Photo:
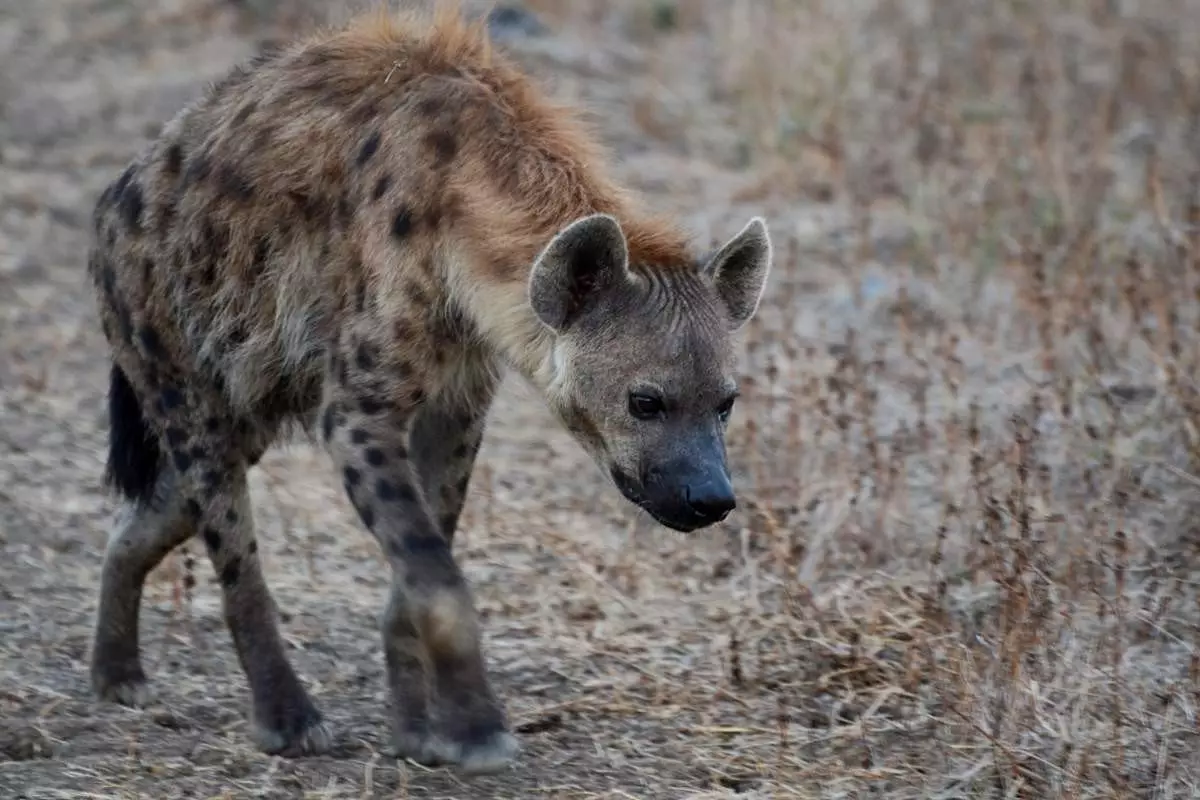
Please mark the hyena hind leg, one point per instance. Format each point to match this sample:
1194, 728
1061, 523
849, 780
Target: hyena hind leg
144, 533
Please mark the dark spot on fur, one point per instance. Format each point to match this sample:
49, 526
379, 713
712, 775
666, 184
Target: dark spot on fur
369, 146
460, 451
243, 113
110, 237
402, 223
212, 244
345, 209
359, 436
212, 424
231, 517
367, 514
152, 342
443, 145
360, 297
198, 452
416, 396
449, 523
253, 548
132, 205
233, 184
390, 492
351, 477
416, 292
327, 421
419, 543
176, 437
193, 508
461, 486
230, 573
198, 170
166, 215
432, 217
366, 356
401, 452
381, 187
183, 462
262, 251
147, 270
123, 321
313, 209
375, 457
431, 106
108, 281
369, 405
173, 159
212, 539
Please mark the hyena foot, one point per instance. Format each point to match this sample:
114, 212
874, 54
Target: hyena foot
474, 728
291, 729
474, 751
483, 749
419, 744
121, 681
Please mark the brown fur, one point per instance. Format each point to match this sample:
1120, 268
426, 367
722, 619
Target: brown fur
358, 233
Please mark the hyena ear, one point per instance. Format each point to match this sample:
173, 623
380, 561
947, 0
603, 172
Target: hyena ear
585, 257
739, 271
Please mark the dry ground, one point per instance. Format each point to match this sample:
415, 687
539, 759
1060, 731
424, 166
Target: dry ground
966, 560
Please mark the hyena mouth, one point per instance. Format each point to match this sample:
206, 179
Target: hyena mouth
632, 490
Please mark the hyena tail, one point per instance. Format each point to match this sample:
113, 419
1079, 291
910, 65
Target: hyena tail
134, 454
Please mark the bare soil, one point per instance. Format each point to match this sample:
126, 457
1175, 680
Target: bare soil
965, 562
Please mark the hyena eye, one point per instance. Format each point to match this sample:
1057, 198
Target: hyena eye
726, 408
645, 406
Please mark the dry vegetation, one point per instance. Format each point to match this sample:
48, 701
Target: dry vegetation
965, 562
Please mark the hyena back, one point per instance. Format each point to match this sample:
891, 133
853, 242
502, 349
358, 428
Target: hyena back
356, 234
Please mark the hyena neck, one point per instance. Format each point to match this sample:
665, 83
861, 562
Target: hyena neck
504, 319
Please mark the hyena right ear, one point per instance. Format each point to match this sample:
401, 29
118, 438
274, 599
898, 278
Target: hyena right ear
585, 257
739, 271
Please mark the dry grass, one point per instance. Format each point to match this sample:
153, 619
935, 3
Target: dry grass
971, 568
968, 452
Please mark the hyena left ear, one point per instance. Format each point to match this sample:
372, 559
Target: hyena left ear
584, 258
739, 271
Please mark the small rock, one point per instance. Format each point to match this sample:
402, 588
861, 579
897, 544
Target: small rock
510, 20
24, 743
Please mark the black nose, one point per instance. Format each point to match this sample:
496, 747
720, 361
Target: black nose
712, 500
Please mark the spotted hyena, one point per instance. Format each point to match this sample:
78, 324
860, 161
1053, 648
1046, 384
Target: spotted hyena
354, 235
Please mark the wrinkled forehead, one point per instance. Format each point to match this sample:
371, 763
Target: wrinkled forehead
681, 333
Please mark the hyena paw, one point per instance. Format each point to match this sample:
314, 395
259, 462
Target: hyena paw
421, 746
482, 749
292, 733
124, 685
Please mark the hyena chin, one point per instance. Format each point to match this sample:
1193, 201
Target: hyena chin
357, 234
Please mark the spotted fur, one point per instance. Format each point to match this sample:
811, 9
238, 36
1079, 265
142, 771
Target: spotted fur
356, 235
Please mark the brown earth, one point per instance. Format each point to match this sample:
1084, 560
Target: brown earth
965, 562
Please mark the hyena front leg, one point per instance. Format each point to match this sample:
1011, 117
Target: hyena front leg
200, 438
444, 443
371, 403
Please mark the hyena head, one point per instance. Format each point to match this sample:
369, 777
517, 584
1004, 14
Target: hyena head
644, 362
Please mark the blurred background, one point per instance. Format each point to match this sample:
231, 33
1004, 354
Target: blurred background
966, 558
